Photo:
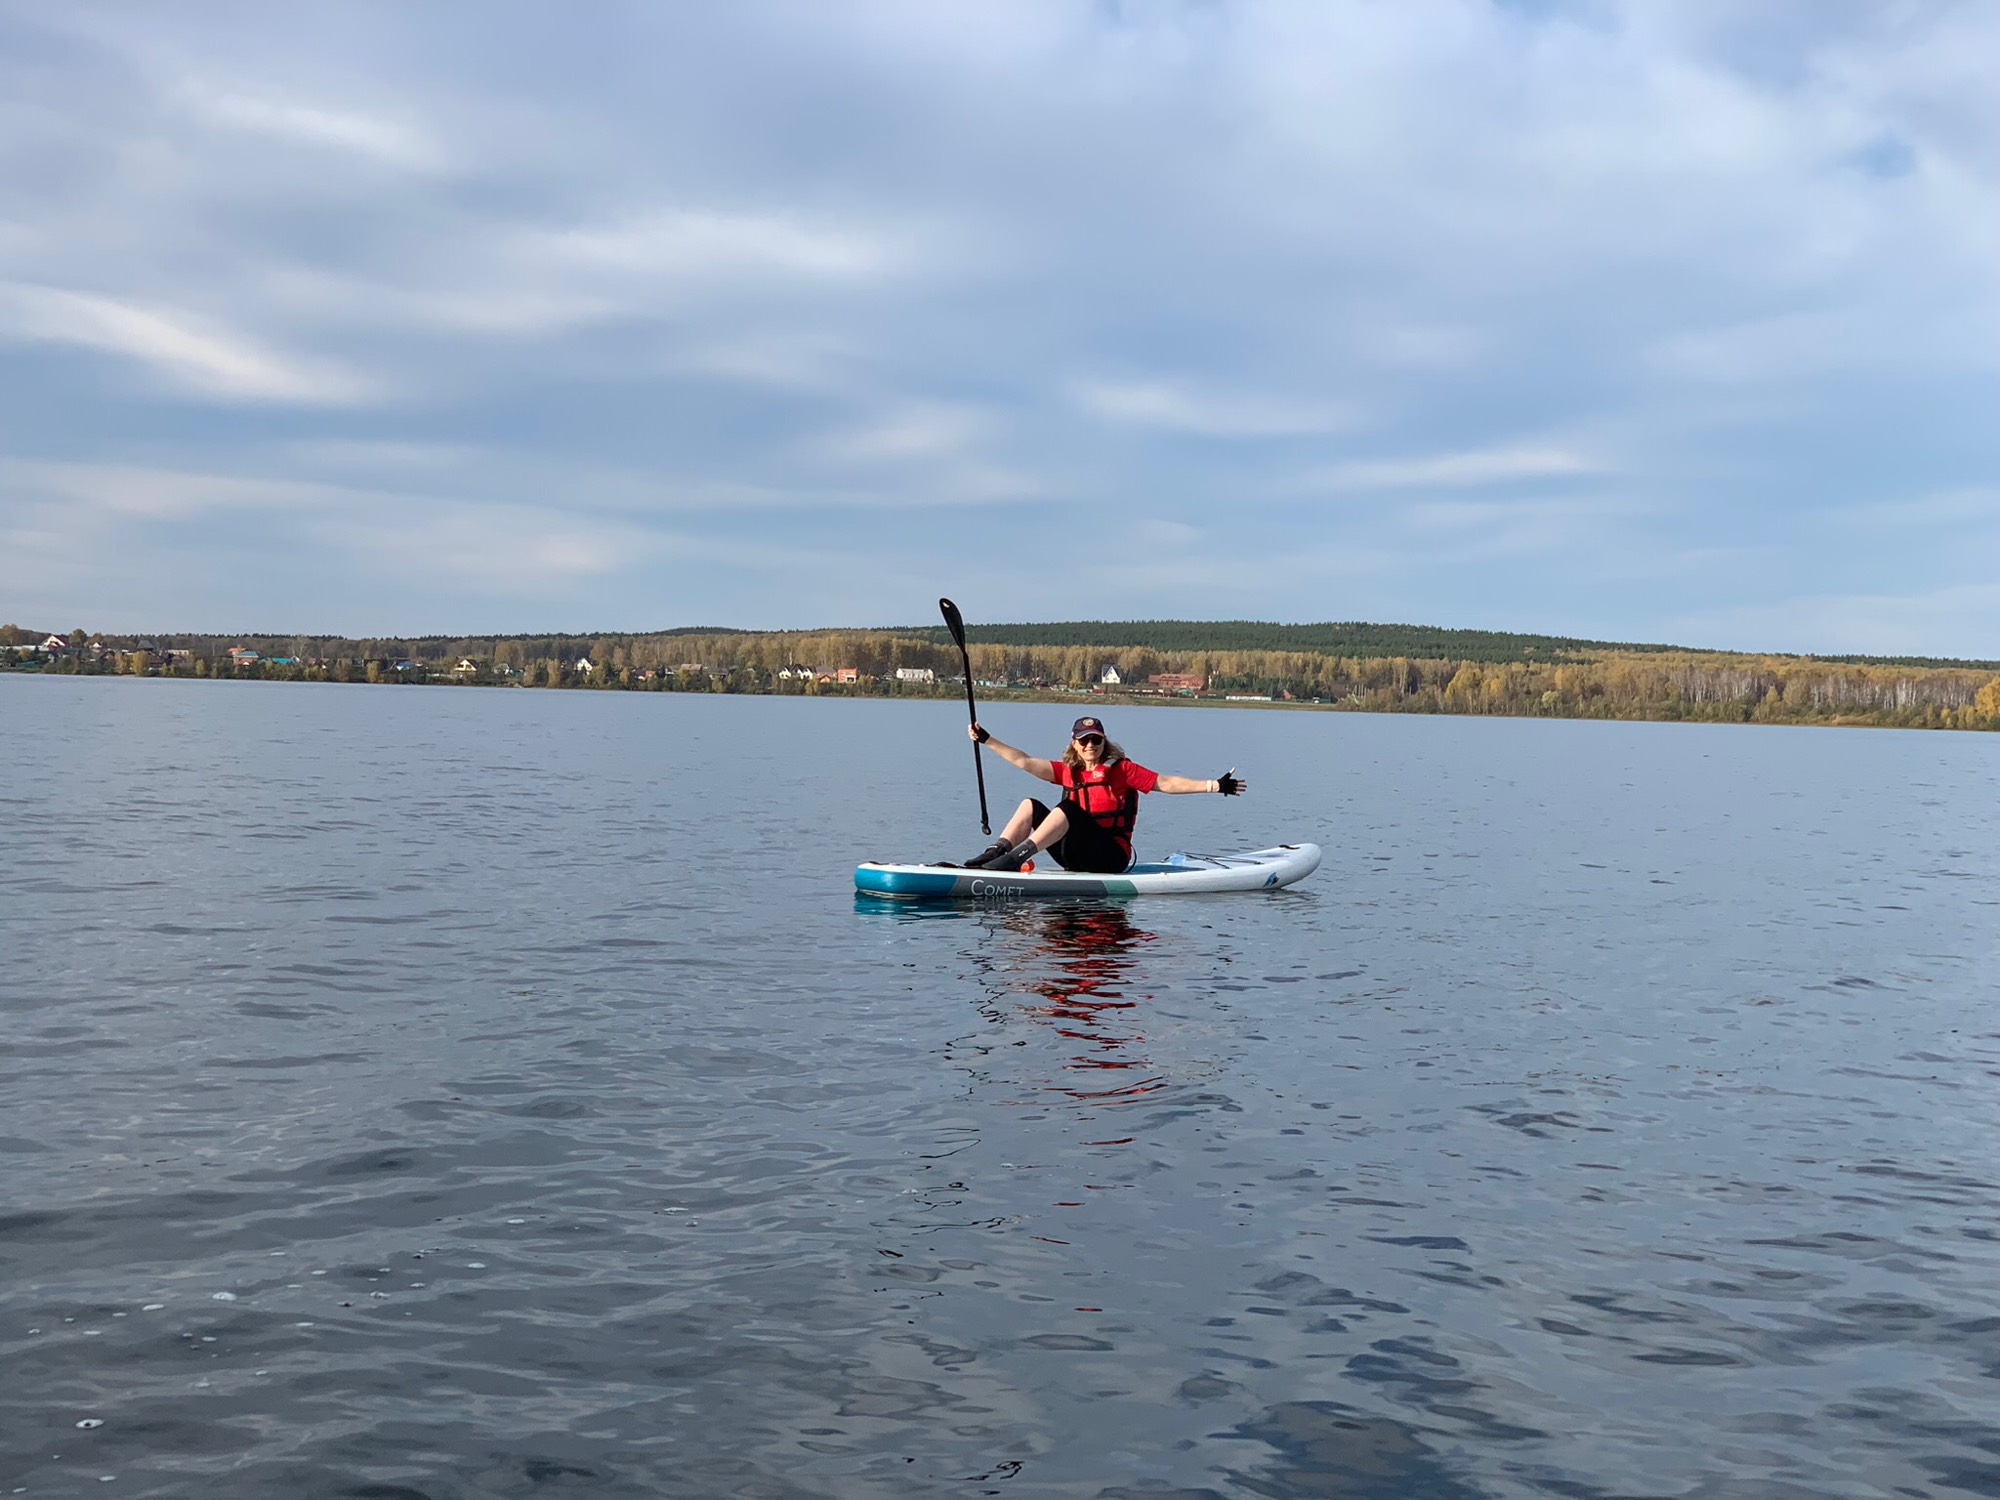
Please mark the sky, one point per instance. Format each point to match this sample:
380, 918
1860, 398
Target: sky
1668, 320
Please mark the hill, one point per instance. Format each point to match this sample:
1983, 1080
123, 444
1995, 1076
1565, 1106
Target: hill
1359, 638
1331, 638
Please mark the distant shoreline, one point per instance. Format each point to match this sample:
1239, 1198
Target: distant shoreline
1351, 667
1977, 708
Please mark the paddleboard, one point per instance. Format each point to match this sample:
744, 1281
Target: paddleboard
1178, 874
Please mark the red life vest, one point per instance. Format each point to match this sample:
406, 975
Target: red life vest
1113, 808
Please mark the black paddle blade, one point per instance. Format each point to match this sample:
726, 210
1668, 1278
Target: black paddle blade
956, 624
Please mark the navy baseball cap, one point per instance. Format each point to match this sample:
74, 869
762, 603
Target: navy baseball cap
1086, 725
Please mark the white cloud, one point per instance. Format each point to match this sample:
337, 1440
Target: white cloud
398, 532
1540, 526
1454, 470
504, 546
93, 492
980, 484
707, 242
373, 454
1895, 336
1420, 346
781, 360
191, 352
1181, 407
1765, 349
686, 270
482, 291
1957, 506
379, 137
922, 429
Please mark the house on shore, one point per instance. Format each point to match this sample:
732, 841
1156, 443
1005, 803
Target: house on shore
915, 674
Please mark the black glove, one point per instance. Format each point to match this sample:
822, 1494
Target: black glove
1227, 784
979, 733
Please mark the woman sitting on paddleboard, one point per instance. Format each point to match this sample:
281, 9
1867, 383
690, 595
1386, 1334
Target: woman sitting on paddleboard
1091, 828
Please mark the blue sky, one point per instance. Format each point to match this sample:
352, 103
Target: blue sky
1664, 321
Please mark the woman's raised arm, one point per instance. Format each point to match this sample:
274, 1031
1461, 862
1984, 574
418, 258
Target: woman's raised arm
1034, 765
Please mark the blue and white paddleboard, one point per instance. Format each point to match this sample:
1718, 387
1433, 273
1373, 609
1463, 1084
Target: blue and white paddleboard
1178, 874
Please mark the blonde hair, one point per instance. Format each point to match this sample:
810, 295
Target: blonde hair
1112, 751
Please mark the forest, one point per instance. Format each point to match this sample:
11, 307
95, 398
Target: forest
1336, 666
1341, 638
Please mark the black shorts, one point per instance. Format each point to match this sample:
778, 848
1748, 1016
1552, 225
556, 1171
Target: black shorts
1084, 847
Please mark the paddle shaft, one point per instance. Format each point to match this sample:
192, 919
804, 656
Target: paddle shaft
956, 623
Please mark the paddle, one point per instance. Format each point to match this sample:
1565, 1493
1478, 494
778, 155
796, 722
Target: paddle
955, 623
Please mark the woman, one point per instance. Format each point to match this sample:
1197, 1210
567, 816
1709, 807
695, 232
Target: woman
1091, 828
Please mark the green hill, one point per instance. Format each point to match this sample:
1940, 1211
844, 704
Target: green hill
1333, 638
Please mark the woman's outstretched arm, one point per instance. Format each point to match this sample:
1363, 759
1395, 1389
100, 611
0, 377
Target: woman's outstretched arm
1229, 784
1034, 765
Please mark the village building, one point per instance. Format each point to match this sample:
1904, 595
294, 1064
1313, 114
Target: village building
915, 674
1109, 677
1178, 682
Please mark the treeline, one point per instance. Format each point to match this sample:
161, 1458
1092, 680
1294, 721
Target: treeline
1177, 641
1620, 683
1333, 638
1705, 687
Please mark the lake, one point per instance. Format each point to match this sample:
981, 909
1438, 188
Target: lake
443, 1092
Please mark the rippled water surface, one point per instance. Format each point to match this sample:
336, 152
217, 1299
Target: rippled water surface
452, 1092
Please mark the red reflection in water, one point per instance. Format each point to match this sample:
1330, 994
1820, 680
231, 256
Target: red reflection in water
1091, 954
